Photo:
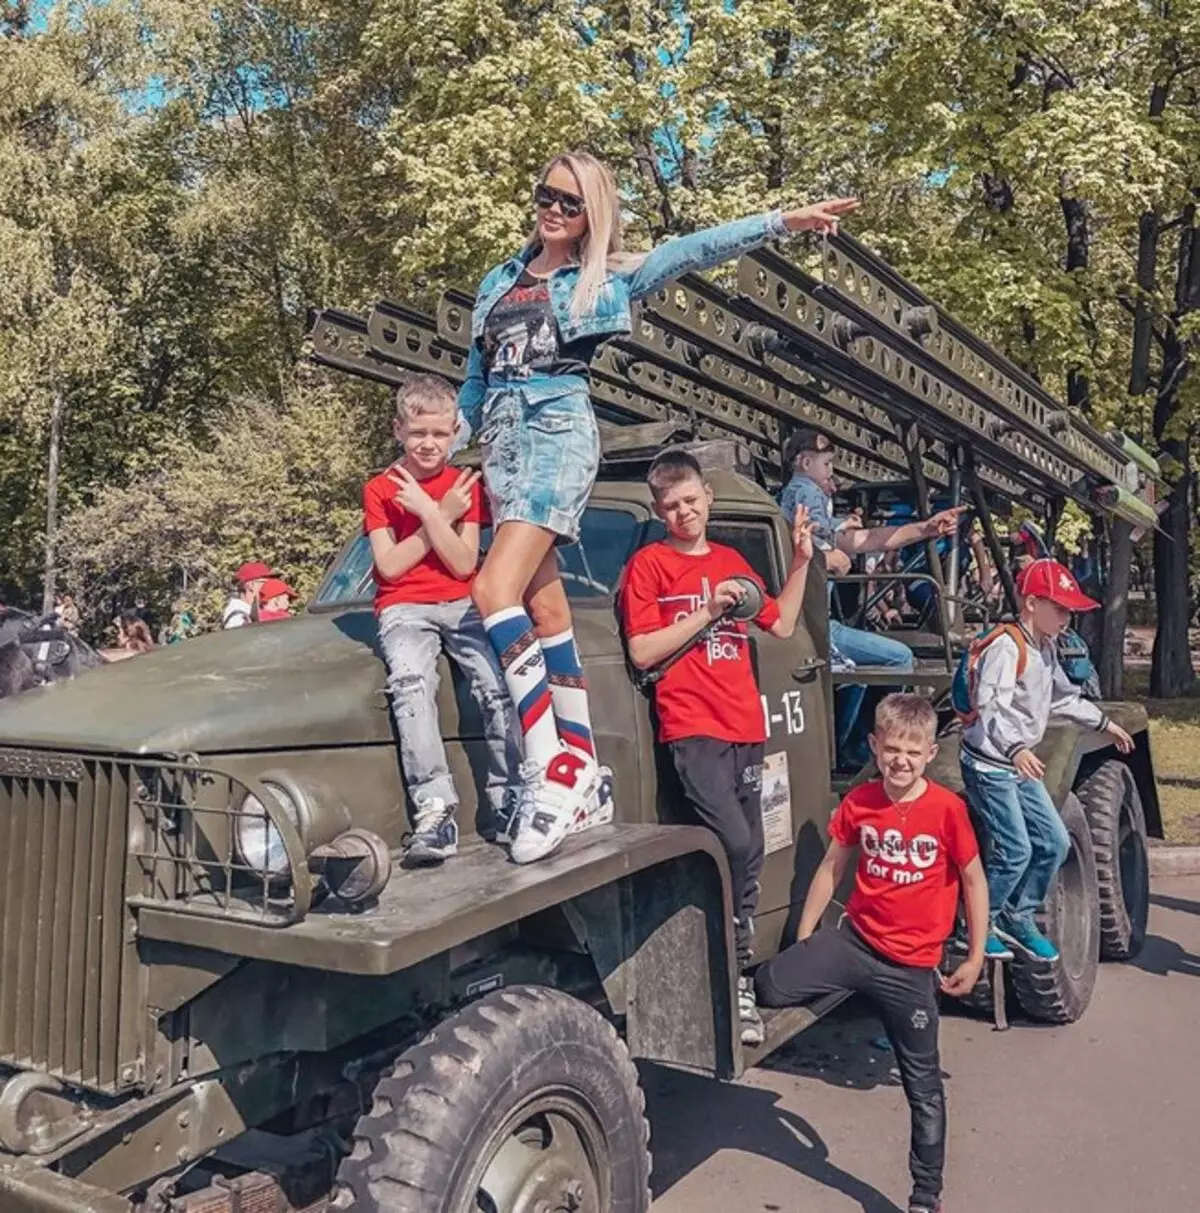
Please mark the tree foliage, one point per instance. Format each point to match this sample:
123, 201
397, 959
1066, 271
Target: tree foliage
186, 181
279, 484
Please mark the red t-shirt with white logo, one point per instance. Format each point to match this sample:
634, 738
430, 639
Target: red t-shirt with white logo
712, 691
430, 580
910, 855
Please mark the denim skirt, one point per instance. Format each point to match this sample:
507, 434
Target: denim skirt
540, 458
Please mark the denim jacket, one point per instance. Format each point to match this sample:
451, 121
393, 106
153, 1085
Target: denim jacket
803, 490
611, 314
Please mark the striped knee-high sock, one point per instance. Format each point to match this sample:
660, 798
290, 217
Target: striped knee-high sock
568, 687
524, 668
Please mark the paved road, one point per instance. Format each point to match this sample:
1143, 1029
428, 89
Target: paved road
1100, 1116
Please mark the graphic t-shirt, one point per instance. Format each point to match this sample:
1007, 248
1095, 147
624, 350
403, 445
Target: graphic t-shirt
910, 855
712, 691
520, 336
430, 580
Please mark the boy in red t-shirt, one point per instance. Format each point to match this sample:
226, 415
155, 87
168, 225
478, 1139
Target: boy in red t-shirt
423, 518
915, 846
709, 709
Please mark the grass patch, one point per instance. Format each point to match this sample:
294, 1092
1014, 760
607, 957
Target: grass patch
1175, 743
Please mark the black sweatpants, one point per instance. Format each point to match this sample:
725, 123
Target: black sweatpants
722, 781
906, 999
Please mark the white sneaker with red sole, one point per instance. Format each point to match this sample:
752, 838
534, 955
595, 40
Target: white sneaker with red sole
559, 799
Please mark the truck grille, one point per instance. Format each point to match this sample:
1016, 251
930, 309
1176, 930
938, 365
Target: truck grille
68, 962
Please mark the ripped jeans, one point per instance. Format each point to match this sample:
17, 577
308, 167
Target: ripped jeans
413, 636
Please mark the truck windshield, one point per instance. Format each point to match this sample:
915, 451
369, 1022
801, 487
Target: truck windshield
590, 568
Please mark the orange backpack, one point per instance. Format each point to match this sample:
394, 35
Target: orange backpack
962, 689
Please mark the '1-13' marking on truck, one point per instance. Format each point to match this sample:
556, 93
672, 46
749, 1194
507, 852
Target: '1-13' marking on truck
791, 717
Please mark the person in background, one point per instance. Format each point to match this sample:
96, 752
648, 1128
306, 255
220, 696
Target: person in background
68, 613
275, 600
181, 627
810, 454
242, 607
133, 634
913, 848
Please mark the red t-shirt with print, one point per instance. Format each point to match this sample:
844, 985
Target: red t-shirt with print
430, 580
712, 691
910, 855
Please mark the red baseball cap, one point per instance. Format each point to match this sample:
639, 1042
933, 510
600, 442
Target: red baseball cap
273, 587
253, 570
1049, 579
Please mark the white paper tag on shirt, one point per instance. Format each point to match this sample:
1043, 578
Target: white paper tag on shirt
776, 802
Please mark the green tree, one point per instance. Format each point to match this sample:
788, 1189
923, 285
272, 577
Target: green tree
280, 483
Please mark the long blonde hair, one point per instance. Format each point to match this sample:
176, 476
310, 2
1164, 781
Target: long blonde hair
600, 246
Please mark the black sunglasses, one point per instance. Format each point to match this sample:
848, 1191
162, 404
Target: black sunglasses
571, 205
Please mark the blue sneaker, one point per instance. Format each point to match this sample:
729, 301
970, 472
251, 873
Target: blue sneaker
1024, 935
996, 949
436, 835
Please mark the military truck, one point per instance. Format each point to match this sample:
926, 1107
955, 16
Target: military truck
219, 992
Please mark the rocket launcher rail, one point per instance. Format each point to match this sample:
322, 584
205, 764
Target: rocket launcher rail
861, 355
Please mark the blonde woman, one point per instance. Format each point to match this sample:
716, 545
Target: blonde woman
538, 319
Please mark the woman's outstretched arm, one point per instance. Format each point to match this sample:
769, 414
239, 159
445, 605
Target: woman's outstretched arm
702, 250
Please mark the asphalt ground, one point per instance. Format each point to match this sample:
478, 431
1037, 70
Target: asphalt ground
1101, 1115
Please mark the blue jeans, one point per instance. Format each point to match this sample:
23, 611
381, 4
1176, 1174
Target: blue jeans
868, 649
413, 635
1027, 841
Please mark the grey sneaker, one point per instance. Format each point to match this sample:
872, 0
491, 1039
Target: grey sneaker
753, 1031
839, 663
503, 822
435, 837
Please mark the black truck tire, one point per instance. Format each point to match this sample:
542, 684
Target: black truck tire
1114, 811
525, 1099
1060, 991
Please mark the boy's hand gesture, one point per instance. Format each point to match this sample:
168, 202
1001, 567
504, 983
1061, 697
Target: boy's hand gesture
962, 981
1029, 765
802, 537
411, 495
457, 500
1123, 741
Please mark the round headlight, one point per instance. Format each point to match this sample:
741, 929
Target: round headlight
259, 843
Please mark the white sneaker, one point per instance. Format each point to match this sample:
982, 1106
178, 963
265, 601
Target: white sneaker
600, 811
557, 801
753, 1030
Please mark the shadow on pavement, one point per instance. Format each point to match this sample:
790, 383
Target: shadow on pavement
1181, 904
692, 1118
846, 1049
1163, 956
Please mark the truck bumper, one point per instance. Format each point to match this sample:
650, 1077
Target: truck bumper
26, 1188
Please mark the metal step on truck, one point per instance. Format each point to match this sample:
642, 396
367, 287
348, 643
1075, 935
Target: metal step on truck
218, 992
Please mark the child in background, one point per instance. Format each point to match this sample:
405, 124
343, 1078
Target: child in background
275, 600
914, 846
423, 519
1017, 688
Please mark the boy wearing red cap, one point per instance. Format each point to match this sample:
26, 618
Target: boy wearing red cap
1017, 688
275, 600
241, 608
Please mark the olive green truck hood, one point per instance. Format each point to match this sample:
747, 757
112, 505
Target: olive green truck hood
315, 680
